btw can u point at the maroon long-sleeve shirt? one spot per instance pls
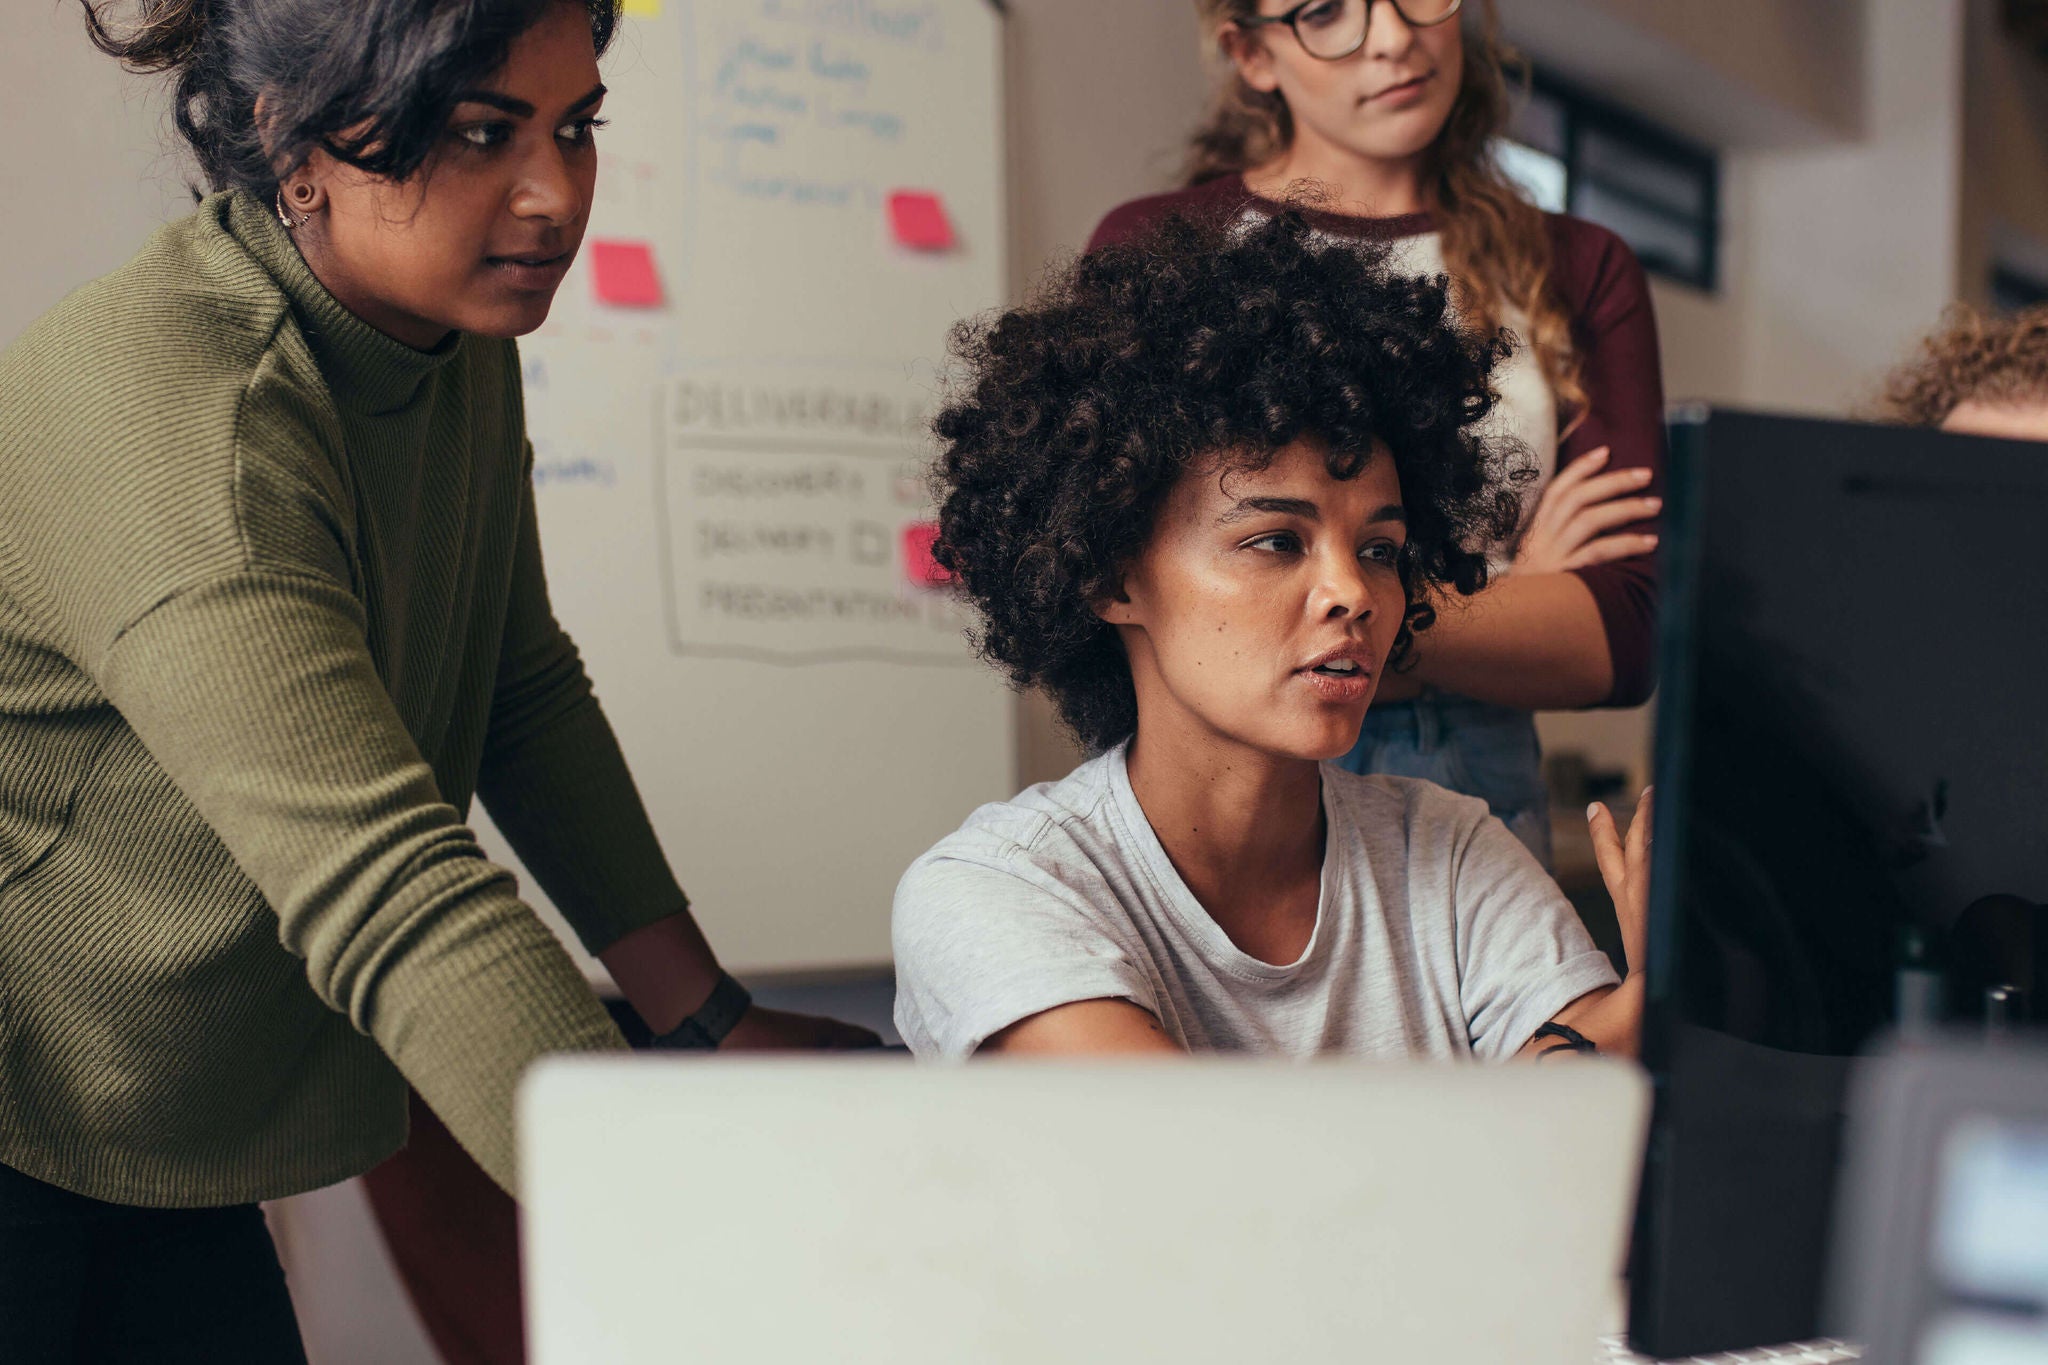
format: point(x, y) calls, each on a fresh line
point(1614, 336)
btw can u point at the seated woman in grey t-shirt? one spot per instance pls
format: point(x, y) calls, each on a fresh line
point(1203, 490)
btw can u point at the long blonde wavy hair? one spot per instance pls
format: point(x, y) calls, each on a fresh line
point(1495, 245)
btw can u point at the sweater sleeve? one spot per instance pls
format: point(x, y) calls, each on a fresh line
point(256, 694)
point(553, 776)
point(204, 587)
point(1615, 335)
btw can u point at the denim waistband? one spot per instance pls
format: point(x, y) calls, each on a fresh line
point(1424, 721)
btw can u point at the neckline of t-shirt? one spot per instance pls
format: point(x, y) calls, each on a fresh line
point(1389, 229)
point(1181, 903)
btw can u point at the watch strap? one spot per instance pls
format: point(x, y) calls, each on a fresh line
point(714, 1019)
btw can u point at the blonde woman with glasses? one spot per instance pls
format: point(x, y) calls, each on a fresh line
point(1381, 115)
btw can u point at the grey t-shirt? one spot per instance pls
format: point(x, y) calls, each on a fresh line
point(1437, 934)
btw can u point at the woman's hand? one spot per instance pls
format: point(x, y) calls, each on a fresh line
point(1625, 867)
point(1534, 639)
point(1612, 1016)
point(1575, 522)
point(766, 1030)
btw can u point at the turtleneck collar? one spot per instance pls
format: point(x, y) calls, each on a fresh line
point(366, 370)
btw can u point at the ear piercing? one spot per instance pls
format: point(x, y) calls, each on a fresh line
point(303, 194)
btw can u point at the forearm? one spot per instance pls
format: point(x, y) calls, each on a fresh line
point(568, 805)
point(558, 785)
point(1611, 1018)
point(474, 1001)
point(556, 782)
point(566, 802)
point(1532, 641)
point(665, 970)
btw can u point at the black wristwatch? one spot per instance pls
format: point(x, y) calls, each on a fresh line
point(706, 1029)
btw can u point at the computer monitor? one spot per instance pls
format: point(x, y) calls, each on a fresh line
point(1852, 773)
point(1941, 1247)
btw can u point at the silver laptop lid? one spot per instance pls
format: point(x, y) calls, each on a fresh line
point(1197, 1210)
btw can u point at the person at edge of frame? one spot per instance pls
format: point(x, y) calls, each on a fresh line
point(1978, 374)
point(272, 610)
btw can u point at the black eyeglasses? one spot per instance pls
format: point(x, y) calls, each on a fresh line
point(1331, 30)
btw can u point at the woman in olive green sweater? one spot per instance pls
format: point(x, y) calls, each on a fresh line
point(271, 612)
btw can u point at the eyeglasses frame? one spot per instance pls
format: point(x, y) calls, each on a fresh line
point(1291, 19)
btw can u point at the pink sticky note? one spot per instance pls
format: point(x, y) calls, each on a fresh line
point(918, 218)
point(918, 565)
point(624, 274)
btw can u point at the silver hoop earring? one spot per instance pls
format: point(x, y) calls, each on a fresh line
point(292, 221)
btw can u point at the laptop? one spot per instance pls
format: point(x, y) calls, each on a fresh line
point(862, 1210)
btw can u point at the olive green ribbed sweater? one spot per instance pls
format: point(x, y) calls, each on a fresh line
point(271, 610)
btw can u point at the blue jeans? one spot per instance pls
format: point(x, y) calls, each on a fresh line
point(1472, 747)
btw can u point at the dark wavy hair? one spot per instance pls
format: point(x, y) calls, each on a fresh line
point(370, 82)
point(1201, 343)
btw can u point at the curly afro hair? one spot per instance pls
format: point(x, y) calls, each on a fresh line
point(1206, 344)
point(1972, 355)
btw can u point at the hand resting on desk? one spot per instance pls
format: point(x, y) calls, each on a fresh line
point(766, 1030)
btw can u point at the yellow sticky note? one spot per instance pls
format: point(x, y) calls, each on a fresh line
point(644, 9)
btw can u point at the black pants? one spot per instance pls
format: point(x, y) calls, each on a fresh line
point(86, 1281)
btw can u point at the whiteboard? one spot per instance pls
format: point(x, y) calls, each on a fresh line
point(730, 482)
